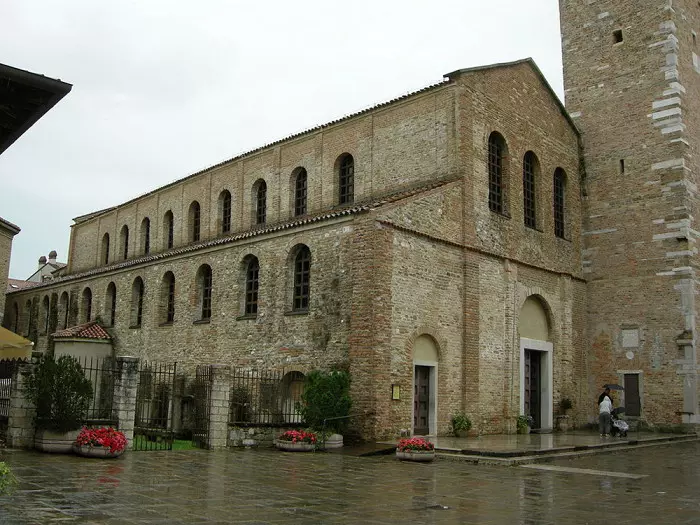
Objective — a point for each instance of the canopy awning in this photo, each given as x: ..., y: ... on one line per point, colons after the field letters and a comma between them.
x: 13, y: 346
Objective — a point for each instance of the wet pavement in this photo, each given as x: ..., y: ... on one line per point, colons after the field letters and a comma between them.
x: 267, y: 486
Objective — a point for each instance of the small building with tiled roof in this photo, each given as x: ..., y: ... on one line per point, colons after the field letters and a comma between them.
x: 84, y: 341
x: 48, y: 268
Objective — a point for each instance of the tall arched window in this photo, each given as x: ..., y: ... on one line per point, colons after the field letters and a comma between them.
x: 146, y: 235
x: 87, y: 305
x: 168, y: 230
x: 15, y: 318
x: 346, y: 179
x: 496, y: 164
x: 167, y: 298
x: 559, y: 203
x: 104, y: 254
x: 530, y: 173
x: 29, y: 316
x: 225, y: 211
x: 302, y: 279
x: 194, y: 221
x: 300, y: 186
x: 137, y: 290
x: 111, y: 304
x: 252, y: 273
x: 63, y: 310
x: 45, y: 313
x: 204, y: 285
x: 260, y: 196
x: 124, y: 241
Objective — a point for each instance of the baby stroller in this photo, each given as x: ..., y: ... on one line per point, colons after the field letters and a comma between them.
x: 618, y: 427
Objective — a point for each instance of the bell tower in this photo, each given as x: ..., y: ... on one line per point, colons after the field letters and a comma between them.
x: 631, y: 77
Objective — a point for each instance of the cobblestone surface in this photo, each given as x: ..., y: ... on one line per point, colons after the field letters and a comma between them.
x: 266, y: 486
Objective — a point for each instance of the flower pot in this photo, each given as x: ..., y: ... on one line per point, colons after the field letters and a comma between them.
x: 563, y: 423
x: 461, y: 433
x: 416, y: 455
x: 55, y: 442
x: 333, y: 441
x: 299, y: 446
x: 95, y: 452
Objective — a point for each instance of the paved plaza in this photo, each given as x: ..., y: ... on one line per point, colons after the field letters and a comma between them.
x: 654, y: 484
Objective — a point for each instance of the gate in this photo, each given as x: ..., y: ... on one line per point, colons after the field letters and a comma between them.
x: 200, y: 416
x: 153, y: 426
x: 7, y: 367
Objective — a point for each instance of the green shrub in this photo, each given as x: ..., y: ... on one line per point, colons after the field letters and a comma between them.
x: 326, y: 395
x: 461, y: 422
x: 60, y: 392
x: 7, y: 479
x: 565, y: 404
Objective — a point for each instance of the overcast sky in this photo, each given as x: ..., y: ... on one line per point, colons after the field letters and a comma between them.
x: 162, y: 89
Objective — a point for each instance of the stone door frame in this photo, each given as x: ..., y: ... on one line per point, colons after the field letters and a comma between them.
x: 433, y: 396
x: 546, y: 379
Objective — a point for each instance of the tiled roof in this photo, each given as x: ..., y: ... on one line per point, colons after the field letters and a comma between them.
x: 18, y: 284
x: 91, y: 330
x: 301, y: 221
x: 444, y: 82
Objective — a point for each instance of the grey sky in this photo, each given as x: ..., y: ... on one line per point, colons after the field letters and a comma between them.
x: 162, y: 89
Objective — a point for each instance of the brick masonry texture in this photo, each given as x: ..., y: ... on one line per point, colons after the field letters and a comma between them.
x: 434, y: 263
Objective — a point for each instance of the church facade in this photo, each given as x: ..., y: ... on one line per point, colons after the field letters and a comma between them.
x: 460, y: 248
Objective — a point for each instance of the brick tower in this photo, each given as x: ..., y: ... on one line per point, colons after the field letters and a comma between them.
x: 631, y: 76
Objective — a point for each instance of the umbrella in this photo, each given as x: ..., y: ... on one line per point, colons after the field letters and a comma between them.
x: 613, y: 387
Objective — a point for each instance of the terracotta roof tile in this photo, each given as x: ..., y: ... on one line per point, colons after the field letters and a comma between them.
x: 14, y: 285
x: 91, y: 330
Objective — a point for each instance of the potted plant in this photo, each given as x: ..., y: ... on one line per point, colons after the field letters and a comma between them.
x: 61, y: 394
x: 7, y: 480
x: 524, y: 423
x: 563, y: 419
x: 325, y: 404
x: 415, y: 449
x: 461, y: 424
x: 104, y: 442
x: 297, y: 441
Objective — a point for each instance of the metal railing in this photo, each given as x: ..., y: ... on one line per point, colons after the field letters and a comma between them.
x: 265, y: 397
x: 7, y: 368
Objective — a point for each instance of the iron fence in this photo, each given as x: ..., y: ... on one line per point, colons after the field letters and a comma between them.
x: 7, y: 368
x: 202, y: 397
x: 265, y: 397
x: 153, y: 424
x: 101, y: 372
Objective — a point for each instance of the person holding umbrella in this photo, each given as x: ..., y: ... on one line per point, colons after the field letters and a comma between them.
x: 604, y: 409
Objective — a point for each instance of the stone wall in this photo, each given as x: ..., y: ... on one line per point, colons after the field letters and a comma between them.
x: 7, y: 232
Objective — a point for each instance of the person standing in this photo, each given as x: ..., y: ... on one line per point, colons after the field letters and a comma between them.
x: 604, y: 410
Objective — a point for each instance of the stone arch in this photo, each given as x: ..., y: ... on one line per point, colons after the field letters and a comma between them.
x: 524, y: 293
x: 425, y: 359
x: 291, y: 389
x: 534, y: 319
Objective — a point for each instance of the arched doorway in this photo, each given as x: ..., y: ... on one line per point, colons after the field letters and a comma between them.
x: 425, y: 367
x: 535, y: 363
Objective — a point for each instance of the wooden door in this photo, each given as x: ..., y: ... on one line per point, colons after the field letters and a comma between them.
x: 633, y: 402
x: 421, y: 400
x: 533, y: 387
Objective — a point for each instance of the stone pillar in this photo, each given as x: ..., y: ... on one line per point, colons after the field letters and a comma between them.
x: 20, y: 425
x: 125, y: 386
x: 219, y: 401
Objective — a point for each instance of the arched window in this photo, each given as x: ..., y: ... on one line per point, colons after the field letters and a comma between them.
x: 104, y: 256
x: 300, y: 186
x: 63, y: 310
x: 137, y: 290
x: 346, y: 179
x: 15, y: 318
x: 167, y: 298
x: 225, y: 211
x: 111, y: 304
x: 168, y: 230
x: 302, y: 279
x: 194, y: 221
x: 29, y: 317
x: 87, y: 305
x: 260, y: 196
x: 559, y: 203
x: 204, y: 284
x: 146, y: 235
x: 124, y: 241
x: 530, y: 173
x: 45, y: 312
x: 496, y: 164
x: 252, y: 273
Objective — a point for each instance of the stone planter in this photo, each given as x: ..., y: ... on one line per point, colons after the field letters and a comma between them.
x: 295, y: 447
x: 563, y: 423
x: 461, y: 433
x: 55, y: 442
x: 95, y: 452
x: 416, y: 455
x: 333, y: 441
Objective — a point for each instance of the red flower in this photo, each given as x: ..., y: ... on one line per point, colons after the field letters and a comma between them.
x: 109, y: 438
x: 298, y: 436
x: 415, y: 443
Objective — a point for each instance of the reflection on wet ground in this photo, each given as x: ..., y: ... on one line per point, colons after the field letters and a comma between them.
x: 267, y: 486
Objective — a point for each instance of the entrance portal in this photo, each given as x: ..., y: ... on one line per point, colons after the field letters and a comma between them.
x: 425, y: 382
x: 421, y: 400
x: 533, y: 386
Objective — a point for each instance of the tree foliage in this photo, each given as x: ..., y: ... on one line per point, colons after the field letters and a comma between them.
x: 326, y: 396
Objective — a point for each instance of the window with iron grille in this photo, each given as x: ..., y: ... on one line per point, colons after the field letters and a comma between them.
x: 261, y: 203
x: 137, y: 302
x: 15, y: 316
x: 169, y: 229
x: 300, y: 193
x: 302, y: 275
x: 30, y: 317
x: 205, y: 284
x: 346, y: 180
x: 529, y: 205
x: 495, y: 165
x: 112, y: 297
x: 559, y: 182
x: 225, y: 211
x: 64, y: 309
x: 125, y: 242
x: 146, y: 235
x: 169, y: 292
x: 194, y: 221
x: 251, y: 287
x: 46, y: 315
x: 87, y: 304
x: 105, y: 249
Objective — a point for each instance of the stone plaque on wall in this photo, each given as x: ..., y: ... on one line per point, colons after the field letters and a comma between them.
x: 630, y: 338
